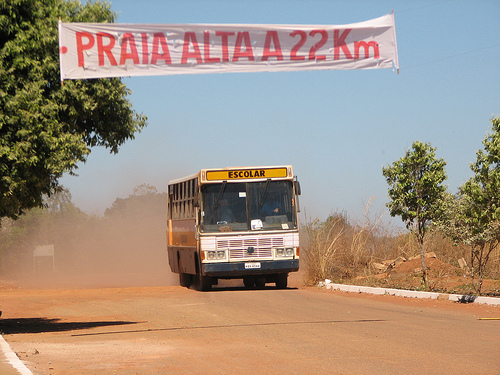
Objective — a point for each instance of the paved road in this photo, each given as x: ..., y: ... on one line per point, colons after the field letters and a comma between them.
x: 172, y: 330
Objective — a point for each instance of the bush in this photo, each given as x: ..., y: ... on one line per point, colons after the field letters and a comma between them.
x: 341, y: 250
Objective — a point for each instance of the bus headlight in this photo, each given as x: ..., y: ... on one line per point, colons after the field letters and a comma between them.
x: 215, y: 255
x: 284, y: 252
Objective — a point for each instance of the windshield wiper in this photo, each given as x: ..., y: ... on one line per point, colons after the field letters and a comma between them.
x: 264, y: 193
x: 219, y: 196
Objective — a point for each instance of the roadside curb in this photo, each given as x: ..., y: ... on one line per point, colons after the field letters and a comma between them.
x: 12, y: 363
x: 411, y: 293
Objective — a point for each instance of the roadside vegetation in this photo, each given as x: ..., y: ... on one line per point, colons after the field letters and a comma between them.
x: 124, y: 246
x: 373, y: 252
x: 47, y: 128
x: 455, y: 237
x: 128, y: 241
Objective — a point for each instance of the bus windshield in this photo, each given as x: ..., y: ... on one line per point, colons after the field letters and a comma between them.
x: 243, y: 206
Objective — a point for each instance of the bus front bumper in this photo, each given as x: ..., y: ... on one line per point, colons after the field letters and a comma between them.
x: 253, y: 268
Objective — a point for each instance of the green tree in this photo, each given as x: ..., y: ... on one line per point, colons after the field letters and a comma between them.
x: 473, y: 216
x: 47, y: 127
x: 416, y: 190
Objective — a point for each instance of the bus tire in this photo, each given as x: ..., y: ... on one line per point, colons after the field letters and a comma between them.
x: 203, y: 283
x: 185, y: 279
x: 260, y: 282
x: 282, y: 281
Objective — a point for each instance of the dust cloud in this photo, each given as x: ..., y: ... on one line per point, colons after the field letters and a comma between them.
x: 125, y: 248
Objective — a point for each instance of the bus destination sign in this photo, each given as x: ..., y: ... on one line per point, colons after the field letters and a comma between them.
x: 242, y: 174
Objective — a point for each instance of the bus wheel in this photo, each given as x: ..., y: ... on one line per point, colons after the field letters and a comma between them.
x: 249, y: 282
x: 185, y: 279
x: 260, y: 282
x: 203, y: 283
x: 281, y: 281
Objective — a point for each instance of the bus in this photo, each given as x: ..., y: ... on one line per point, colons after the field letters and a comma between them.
x: 234, y: 223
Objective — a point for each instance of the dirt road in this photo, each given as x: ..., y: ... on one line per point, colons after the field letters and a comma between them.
x: 172, y: 330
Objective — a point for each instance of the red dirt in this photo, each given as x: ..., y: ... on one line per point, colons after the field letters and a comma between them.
x: 443, y: 277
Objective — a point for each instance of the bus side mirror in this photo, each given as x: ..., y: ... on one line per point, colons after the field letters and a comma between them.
x: 297, y: 187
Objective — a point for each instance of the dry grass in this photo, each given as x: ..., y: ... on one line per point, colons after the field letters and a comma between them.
x: 339, y: 249
x: 346, y: 251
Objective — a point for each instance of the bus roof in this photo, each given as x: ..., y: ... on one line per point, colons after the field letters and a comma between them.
x: 240, y: 174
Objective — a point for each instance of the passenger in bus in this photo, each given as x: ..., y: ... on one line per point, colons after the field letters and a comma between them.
x: 225, y: 214
x: 271, y: 206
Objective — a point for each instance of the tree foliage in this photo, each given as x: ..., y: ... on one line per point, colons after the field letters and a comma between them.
x: 473, y: 216
x: 145, y: 198
x: 416, y: 190
x: 483, y: 189
x: 47, y: 127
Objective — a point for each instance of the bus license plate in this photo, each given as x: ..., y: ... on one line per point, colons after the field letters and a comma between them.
x: 252, y: 265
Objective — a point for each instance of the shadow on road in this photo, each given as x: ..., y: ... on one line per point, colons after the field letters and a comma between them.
x: 41, y: 325
x: 241, y: 288
x: 232, y: 326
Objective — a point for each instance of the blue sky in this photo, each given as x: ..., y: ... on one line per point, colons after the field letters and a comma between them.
x: 337, y: 128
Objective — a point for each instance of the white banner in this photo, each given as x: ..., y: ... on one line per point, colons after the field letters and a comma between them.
x: 96, y: 50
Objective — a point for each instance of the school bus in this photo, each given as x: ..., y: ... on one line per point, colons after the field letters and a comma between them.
x: 234, y: 223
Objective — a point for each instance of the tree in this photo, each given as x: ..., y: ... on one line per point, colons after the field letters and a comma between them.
x: 47, y: 127
x: 416, y: 190
x: 132, y: 233
x: 55, y: 224
x: 144, y: 201
x: 130, y: 238
x: 473, y: 217
x: 144, y: 189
